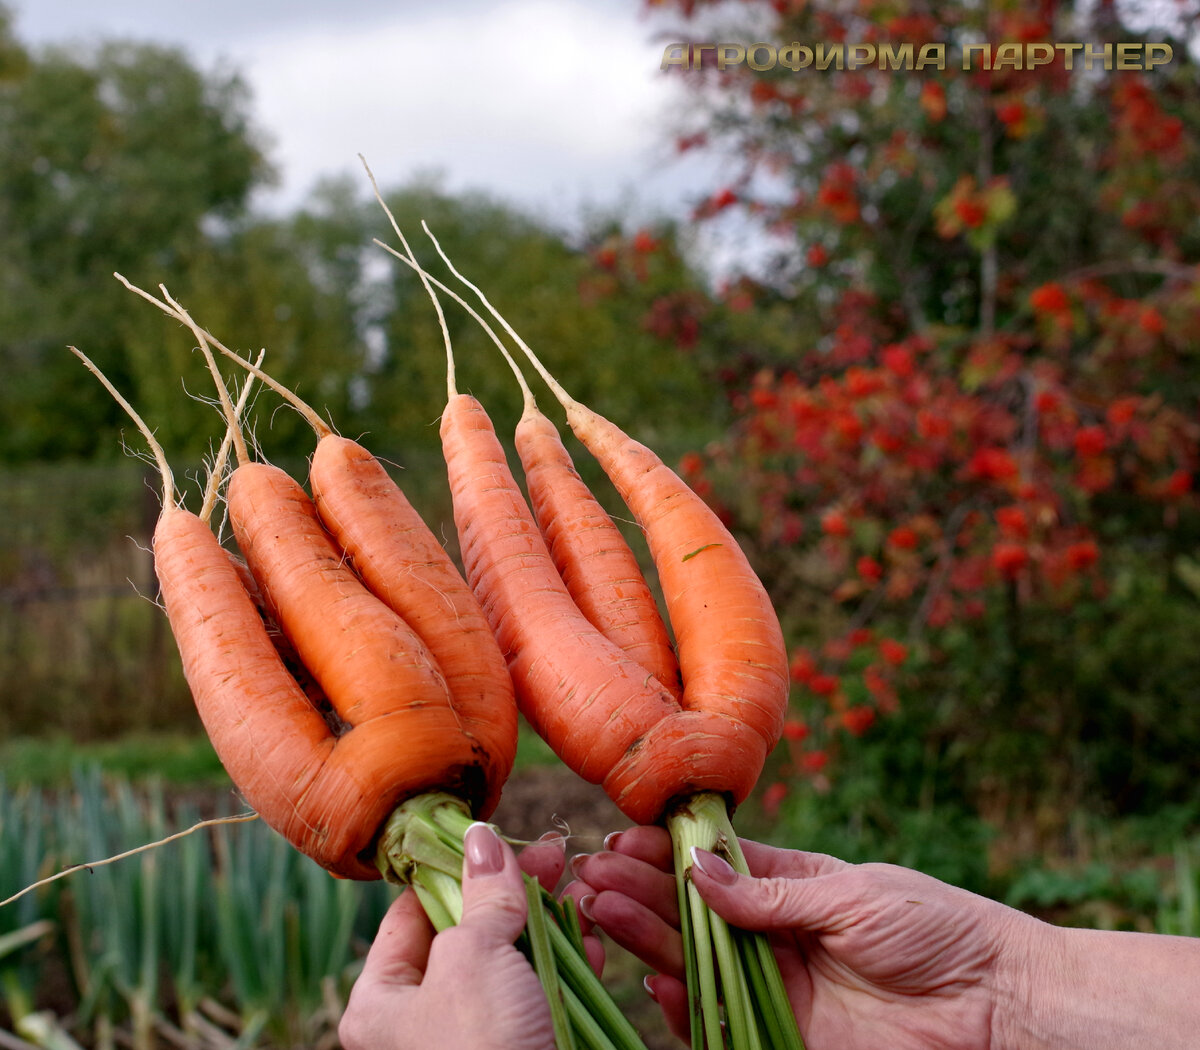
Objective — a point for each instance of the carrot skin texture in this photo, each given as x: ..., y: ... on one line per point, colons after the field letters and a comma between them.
x: 402, y: 563
x: 681, y: 756
x: 327, y: 796
x: 379, y: 677
x: 584, y: 696
x: 727, y: 636
x: 285, y: 649
x: 600, y: 571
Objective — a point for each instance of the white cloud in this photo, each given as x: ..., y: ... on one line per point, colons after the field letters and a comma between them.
x: 526, y: 98
x: 554, y: 104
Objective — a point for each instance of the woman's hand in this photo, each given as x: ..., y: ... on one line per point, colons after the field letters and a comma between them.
x: 872, y: 955
x: 468, y: 987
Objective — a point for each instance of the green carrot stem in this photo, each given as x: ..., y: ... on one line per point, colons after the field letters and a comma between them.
x: 740, y: 1023
x: 751, y: 987
x: 543, y: 963
x: 578, y: 976
x: 422, y: 846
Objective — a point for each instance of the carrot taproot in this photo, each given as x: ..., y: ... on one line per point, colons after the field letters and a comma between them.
x: 691, y: 767
x: 391, y: 549
x: 319, y: 791
x: 604, y: 699
x: 728, y: 640
x: 369, y: 662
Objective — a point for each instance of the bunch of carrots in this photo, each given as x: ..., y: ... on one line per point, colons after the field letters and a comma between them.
x: 349, y: 681
x: 363, y: 695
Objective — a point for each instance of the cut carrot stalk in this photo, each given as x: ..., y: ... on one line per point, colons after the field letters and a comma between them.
x: 691, y: 767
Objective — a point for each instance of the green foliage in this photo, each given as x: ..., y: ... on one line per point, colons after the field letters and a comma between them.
x: 114, y: 159
x: 226, y: 930
x: 49, y: 760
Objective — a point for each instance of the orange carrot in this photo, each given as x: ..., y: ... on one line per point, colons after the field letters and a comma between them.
x: 729, y: 643
x: 397, y: 556
x: 692, y: 765
x: 319, y: 791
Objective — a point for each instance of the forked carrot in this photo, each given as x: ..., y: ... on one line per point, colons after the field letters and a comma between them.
x: 730, y: 646
x: 689, y: 768
x: 397, y: 556
x: 377, y: 673
x: 376, y: 785
x: 598, y: 567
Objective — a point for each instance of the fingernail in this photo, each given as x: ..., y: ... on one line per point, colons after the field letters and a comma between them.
x: 649, y: 986
x: 610, y: 840
x: 481, y: 847
x: 713, y: 866
x: 585, y: 907
x: 552, y: 836
x: 576, y: 862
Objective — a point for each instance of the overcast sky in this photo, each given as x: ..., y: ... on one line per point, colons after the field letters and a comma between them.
x: 557, y: 105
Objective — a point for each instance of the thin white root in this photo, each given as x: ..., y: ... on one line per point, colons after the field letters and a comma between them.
x: 231, y: 416
x: 451, y: 387
x: 320, y: 427
x: 410, y: 260
x: 239, y: 818
x: 556, y: 388
x: 159, y: 455
x: 218, y: 467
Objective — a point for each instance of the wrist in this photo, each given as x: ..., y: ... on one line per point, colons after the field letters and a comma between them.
x: 1030, y: 975
x: 1066, y: 988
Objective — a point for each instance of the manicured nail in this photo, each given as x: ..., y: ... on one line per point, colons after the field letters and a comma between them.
x: 481, y: 847
x: 649, y: 986
x: 552, y: 836
x: 713, y: 866
x: 610, y: 840
x: 576, y: 862
x: 584, y: 905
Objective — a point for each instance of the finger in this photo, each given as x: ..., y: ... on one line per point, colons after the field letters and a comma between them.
x: 769, y: 861
x: 575, y: 892
x: 646, y: 843
x: 817, y: 903
x: 594, y: 949
x: 493, y: 888
x: 400, y: 951
x: 637, y: 929
x: 672, y: 998
x: 636, y: 879
x: 545, y: 859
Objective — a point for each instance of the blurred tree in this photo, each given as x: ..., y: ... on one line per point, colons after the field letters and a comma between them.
x: 122, y: 158
x: 964, y: 378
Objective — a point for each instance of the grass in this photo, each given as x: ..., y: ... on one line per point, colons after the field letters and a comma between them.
x: 175, y: 758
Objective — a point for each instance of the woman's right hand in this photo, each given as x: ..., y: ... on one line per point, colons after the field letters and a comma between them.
x: 872, y: 955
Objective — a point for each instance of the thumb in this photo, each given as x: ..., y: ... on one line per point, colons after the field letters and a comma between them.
x: 812, y: 903
x: 493, y: 887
